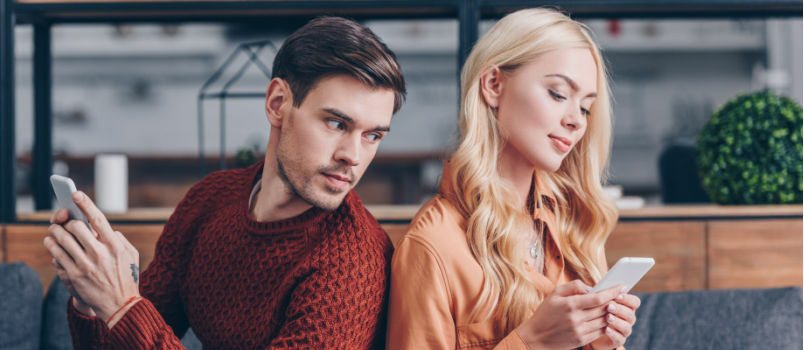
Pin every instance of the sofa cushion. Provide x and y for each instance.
(55, 331)
(719, 319)
(20, 307)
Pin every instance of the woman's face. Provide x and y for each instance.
(543, 106)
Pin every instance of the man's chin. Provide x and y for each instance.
(328, 201)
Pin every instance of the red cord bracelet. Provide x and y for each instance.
(130, 300)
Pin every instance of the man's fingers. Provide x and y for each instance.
(62, 258)
(84, 236)
(59, 217)
(96, 218)
(66, 242)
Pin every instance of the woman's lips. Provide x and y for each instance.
(562, 144)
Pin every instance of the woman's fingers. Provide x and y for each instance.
(622, 326)
(593, 300)
(622, 311)
(616, 337)
(575, 287)
(631, 301)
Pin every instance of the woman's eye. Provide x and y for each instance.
(556, 95)
(585, 112)
(336, 124)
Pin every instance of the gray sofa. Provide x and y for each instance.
(29, 322)
(710, 319)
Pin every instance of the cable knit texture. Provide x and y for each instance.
(318, 280)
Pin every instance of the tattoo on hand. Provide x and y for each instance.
(135, 272)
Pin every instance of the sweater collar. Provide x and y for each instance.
(309, 219)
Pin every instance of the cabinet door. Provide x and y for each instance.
(755, 253)
(677, 246)
(25, 243)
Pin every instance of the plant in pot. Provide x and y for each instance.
(750, 151)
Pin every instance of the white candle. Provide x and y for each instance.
(111, 182)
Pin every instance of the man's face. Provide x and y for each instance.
(326, 144)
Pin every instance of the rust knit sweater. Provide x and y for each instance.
(318, 280)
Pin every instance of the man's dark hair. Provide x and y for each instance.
(328, 46)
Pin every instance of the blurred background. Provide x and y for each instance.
(134, 89)
(177, 87)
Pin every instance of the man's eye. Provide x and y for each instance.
(556, 95)
(336, 124)
(373, 137)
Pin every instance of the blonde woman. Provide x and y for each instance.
(504, 255)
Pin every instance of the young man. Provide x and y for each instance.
(278, 255)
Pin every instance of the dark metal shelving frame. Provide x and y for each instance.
(43, 15)
(251, 51)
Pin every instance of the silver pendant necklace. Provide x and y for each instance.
(536, 247)
(534, 250)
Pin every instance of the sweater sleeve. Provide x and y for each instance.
(87, 332)
(341, 305)
(150, 323)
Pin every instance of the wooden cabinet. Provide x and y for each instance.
(754, 253)
(679, 249)
(694, 248)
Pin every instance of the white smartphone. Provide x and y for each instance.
(627, 271)
(64, 188)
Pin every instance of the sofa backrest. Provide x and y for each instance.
(719, 319)
(20, 307)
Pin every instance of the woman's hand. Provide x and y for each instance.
(621, 318)
(569, 317)
(100, 268)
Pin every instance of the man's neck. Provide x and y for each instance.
(275, 201)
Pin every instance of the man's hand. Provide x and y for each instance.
(99, 267)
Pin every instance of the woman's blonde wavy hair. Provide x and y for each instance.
(584, 214)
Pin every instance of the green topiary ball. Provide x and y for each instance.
(750, 151)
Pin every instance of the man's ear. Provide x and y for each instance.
(278, 101)
(491, 86)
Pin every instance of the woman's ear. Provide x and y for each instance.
(491, 86)
(278, 100)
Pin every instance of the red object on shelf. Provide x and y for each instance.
(614, 27)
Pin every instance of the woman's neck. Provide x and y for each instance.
(517, 172)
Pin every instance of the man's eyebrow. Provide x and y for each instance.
(351, 121)
(571, 83)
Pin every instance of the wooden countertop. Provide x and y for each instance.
(402, 213)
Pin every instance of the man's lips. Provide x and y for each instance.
(345, 179)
